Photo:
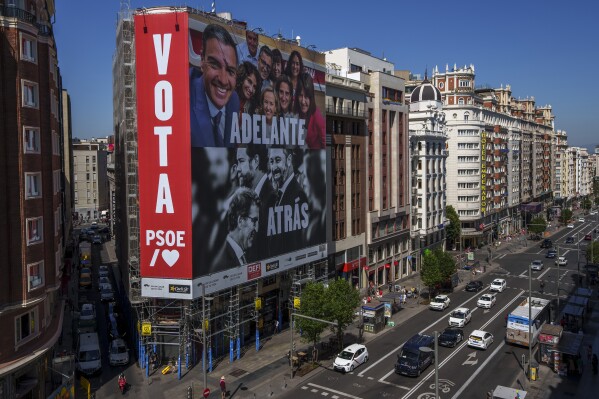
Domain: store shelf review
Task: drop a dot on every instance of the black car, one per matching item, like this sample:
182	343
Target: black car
451	337
546	244
552	253
474	286
570	240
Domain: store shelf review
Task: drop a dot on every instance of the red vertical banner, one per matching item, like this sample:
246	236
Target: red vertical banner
162	79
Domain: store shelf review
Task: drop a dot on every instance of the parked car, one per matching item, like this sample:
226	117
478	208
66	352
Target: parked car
116	326
104	271
440	302
480	339
581	220
486	301
474	286
536	265
561	261
460	317
451	336
350	358
570	240
86	271
96	240
498	285
85	281
570	226
118	353
546	243
552	253
106	293
88	312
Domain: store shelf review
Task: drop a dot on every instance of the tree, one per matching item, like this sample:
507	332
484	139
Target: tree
430	271
454	229
593	253
340	306
446	264
537	225
312	304
586	203
565	216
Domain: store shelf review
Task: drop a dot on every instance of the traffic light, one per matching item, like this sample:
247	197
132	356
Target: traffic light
189	392
293	348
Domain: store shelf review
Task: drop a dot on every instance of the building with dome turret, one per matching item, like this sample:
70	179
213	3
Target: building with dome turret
428	154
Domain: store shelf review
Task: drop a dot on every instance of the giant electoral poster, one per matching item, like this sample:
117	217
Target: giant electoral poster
232	166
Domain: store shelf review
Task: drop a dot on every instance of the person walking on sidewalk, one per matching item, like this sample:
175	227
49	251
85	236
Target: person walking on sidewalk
223	387
276	326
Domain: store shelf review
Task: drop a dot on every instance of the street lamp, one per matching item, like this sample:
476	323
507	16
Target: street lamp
426	349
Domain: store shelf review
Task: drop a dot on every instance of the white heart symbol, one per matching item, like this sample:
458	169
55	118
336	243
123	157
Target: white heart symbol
170	257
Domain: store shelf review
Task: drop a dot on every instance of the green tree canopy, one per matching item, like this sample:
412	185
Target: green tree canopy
447	265
537	225
593	253
312	304
454	229
586	203
430	271
565	216
340	305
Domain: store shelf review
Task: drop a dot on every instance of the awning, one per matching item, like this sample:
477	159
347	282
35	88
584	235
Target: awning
578	300
584	292
570	343
354	264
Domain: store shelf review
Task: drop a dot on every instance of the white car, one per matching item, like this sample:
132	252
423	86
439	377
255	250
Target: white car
561	261
460	317
119	354
88	312
498	285
350	358
486	301
581	220
536	265
480	339
592	212
570	226
102	281
440	302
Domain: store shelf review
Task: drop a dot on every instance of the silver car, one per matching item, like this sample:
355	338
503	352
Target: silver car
536	265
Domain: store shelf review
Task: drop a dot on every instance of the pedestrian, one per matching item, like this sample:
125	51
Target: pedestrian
223	387
589	352
276	326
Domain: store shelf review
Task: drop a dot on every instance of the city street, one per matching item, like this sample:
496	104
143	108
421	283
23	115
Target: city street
464	372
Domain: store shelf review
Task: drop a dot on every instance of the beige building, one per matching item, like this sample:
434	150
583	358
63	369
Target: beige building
90	182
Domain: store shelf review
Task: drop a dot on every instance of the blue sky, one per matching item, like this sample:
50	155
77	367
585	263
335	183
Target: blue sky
543	49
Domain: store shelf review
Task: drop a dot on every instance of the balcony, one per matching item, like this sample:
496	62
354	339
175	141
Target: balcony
25	16
346	111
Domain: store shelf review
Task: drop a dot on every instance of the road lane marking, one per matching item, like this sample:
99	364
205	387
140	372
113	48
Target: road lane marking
395	385
478	370
361	374
455	352
502	256
333	391
542	274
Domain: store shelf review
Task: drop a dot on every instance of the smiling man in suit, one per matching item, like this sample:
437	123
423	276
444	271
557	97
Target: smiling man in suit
212	95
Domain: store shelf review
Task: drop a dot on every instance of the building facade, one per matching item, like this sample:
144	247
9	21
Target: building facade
388	217
32	236
428	152
90	181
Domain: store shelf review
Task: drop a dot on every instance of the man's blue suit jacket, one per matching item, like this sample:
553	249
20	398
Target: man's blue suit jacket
200	121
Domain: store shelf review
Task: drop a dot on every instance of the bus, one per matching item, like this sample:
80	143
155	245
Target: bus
518	322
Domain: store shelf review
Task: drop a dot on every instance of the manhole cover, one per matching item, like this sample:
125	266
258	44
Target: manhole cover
237	372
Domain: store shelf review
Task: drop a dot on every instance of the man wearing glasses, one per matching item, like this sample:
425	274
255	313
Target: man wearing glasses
265	65
242	223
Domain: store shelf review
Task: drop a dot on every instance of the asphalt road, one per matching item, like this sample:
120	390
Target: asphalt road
464	372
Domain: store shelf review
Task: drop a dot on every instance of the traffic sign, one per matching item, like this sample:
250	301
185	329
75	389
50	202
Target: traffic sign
146	329
206	392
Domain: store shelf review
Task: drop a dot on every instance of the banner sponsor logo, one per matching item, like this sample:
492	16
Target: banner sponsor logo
254	271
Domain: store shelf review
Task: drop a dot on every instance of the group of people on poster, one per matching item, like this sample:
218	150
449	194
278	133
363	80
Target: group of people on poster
246	79
258	159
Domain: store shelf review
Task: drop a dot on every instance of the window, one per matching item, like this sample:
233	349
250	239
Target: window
461	102
58	258
34	230
55	143
33	185
31	140
53	104
28	48
35	275
467	132
26	326
30	93
56	181
464	83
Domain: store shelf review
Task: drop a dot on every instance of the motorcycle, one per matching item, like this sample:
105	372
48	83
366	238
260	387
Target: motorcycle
122	383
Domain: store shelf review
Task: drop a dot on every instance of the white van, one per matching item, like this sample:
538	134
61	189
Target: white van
89	358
